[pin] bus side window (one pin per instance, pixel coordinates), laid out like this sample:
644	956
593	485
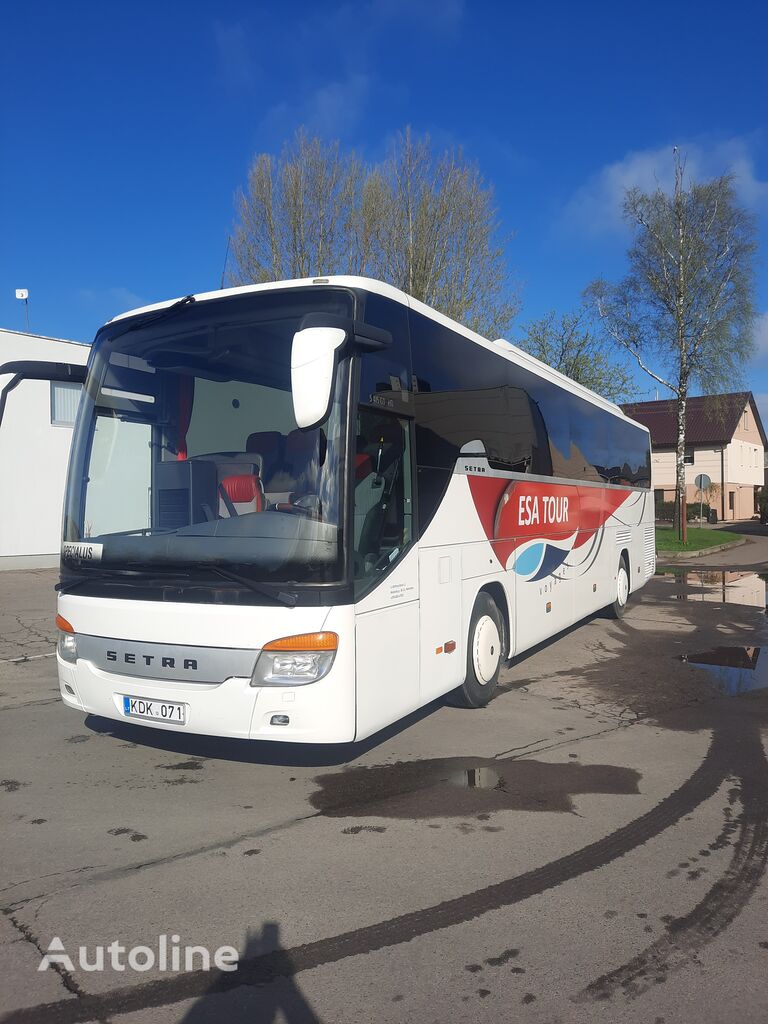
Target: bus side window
383	514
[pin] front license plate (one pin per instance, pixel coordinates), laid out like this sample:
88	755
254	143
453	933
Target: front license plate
160	710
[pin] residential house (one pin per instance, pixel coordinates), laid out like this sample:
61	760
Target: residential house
724	439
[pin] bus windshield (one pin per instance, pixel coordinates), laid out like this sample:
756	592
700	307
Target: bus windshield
187	455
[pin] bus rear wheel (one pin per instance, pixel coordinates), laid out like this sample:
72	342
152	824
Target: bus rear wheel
619	606
486	652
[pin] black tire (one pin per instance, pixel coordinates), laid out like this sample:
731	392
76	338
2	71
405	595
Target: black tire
619	606
486	653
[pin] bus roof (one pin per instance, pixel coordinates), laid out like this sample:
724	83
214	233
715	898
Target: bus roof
501	347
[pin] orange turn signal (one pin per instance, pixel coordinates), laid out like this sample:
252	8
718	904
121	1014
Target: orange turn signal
305	642
63	625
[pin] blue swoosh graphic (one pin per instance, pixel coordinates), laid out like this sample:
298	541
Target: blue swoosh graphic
528	560
553	558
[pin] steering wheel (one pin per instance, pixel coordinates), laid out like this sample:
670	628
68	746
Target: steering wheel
306	505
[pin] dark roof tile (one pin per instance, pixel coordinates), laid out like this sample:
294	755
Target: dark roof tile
710	419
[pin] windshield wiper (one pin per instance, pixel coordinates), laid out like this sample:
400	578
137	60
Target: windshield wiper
137	323
258	588
99	577
123	576
118	576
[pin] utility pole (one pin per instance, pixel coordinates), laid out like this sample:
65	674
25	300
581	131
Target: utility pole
224	268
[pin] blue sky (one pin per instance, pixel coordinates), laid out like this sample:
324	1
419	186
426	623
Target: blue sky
129	127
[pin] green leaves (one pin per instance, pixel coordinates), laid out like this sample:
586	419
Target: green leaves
570	344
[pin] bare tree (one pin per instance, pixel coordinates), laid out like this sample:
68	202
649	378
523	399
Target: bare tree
425	223
569	344
297	216
685	312
438	236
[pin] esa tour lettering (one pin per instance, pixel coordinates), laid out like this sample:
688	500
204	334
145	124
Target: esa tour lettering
545	510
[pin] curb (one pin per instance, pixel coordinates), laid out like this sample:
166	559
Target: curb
681	556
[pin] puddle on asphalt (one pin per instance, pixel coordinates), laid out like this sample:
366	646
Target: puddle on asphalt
477	778
459	787
734	670
716	586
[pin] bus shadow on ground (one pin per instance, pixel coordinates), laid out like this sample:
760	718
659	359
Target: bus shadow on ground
289	755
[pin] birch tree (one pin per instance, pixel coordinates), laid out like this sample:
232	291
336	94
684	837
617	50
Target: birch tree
422	221
685	311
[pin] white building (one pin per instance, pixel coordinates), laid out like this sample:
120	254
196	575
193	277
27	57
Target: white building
724	439
35	437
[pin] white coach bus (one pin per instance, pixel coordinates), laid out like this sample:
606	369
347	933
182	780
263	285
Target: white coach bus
299	511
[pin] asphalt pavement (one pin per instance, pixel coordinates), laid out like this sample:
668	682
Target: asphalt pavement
590	847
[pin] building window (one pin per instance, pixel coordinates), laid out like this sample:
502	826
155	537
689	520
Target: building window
688	457
746	420
731	500
64	399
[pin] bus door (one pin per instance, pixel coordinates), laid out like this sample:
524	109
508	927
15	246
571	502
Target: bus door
385	571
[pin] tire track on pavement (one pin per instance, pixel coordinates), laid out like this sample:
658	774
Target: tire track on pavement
265	968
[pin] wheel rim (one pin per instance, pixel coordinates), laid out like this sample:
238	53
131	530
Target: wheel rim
622	586
486	649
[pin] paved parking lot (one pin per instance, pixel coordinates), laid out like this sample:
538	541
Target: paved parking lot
590	847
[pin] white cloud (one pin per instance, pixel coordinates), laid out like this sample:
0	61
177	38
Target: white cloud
332	109
234	54
440	15
110	300
760	337
761	400
596	206
335	105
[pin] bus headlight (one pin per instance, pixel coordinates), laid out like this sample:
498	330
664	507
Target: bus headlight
67	643
295	660
68	647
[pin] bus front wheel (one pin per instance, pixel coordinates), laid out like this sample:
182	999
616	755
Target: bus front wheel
619	606
486	652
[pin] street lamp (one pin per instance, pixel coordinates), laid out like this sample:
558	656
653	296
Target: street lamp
23	295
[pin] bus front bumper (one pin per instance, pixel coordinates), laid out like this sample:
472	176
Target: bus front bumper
320	712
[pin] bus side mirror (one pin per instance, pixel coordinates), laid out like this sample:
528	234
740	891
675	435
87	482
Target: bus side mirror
314	356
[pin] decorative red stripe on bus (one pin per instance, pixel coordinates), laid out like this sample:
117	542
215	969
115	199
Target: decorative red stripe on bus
514	512
596	506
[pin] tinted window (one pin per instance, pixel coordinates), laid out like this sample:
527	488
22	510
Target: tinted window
464	393
385	377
